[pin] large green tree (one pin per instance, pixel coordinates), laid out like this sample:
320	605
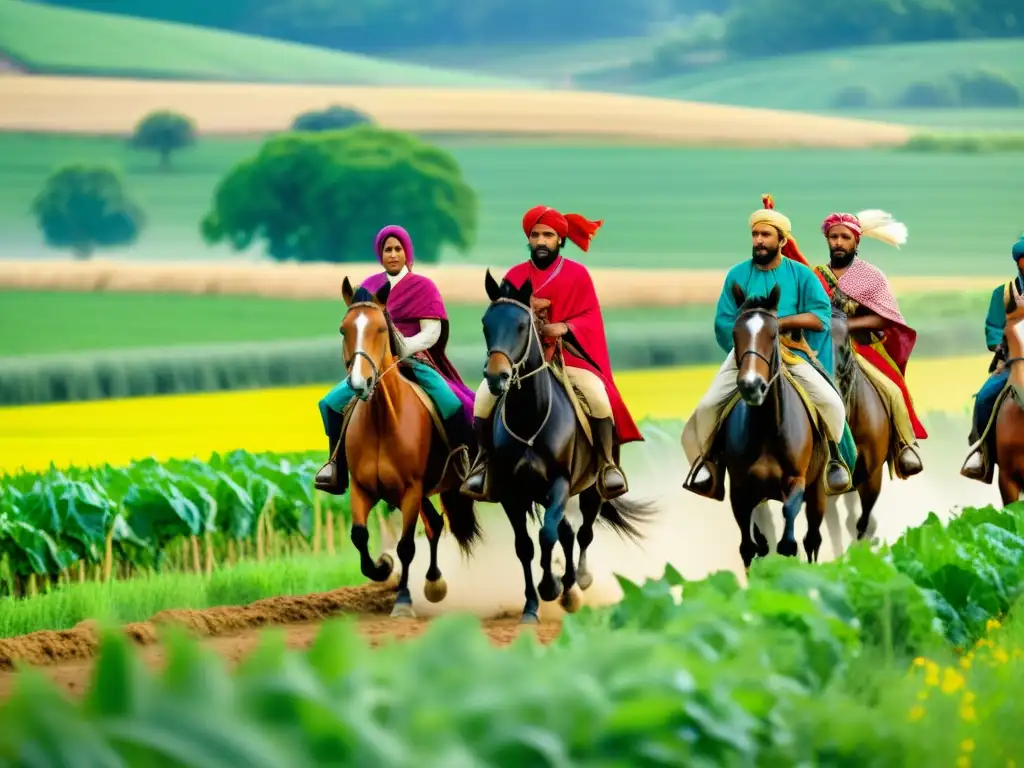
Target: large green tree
85	207
323	196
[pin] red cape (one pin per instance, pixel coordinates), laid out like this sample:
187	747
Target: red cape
569	287
865	284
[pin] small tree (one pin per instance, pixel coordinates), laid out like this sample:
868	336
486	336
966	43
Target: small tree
84	208
334	118
323	196
164	132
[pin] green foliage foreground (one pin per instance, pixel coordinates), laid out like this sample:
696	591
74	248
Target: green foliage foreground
802	668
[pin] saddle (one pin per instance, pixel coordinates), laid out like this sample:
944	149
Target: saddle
576	397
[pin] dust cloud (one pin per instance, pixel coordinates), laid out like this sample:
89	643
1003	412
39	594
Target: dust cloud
697	536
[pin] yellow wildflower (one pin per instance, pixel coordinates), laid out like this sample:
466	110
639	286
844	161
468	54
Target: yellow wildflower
916	713
963	762
1000	656
952	681
922	695
965	662
920	661
968	713
967	745
992	624
969	697
931	674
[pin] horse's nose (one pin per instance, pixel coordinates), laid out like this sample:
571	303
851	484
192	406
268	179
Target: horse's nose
497	382
753	387
359	385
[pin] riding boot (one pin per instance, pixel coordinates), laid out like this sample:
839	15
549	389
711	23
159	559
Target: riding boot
459	439
478	482
611	480
333	476
974	466
909	462
704	479
837	476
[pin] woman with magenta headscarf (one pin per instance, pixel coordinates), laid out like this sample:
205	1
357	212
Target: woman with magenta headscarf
418	312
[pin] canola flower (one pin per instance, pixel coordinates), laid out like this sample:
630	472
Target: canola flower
287	419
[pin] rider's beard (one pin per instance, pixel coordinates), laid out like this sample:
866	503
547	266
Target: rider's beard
842	258
542	256
763	255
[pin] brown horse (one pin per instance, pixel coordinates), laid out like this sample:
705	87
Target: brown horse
1009	425
869	423
395	452
770	451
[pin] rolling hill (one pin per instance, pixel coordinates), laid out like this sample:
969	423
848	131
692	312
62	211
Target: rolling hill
48	39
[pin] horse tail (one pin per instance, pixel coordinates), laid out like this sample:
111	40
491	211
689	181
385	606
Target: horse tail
622	516
462	519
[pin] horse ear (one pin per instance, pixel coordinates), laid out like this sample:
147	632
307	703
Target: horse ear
492	287
737	294
382	293
346	291
773	297
526	291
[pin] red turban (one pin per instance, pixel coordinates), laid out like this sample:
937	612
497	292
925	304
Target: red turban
848	220
572	226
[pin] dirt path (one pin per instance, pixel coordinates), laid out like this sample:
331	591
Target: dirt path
233	632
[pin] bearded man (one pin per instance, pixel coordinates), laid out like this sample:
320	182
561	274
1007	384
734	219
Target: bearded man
882	340
418	313
977	466
803	308
565	299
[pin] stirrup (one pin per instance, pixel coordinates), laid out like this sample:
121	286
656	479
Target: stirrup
602	489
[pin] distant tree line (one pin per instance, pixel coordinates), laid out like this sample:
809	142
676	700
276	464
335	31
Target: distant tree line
750	28
318	192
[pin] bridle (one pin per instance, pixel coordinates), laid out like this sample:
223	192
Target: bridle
374	367
774	364
518	377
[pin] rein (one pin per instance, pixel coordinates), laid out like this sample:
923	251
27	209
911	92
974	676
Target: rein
374	367
518	377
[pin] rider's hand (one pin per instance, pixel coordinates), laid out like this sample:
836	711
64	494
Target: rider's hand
554	330
538	304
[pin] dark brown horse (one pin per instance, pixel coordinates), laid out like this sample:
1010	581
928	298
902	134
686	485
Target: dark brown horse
1009	424
870	425
394	450
770	450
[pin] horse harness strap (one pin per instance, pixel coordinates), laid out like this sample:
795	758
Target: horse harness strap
773	369
377	376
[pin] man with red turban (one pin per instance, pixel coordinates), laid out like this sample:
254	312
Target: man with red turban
882	340
565	299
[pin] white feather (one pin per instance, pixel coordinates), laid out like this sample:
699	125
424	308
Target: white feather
882	226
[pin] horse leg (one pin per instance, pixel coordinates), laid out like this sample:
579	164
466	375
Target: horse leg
815	506
411	503
590	507
787	545
1009	488
435	588
571	598
742	510
869	492
516	515
764	528
361	504
833	524
554	513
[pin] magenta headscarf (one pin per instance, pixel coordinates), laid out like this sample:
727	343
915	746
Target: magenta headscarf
393	230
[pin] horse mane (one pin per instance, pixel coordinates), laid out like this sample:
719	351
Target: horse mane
364	294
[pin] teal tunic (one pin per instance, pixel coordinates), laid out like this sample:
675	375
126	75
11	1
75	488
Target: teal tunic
800	291
995	320
437	389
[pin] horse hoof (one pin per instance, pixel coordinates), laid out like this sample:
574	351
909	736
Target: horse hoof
403	611
585	579
572	600
435	591
549	590
787	548
529	619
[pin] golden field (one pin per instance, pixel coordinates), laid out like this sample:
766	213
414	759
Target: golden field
458	283
182	426
113	106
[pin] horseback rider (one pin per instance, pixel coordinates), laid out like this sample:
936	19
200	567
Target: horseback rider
565	300
882	340
974	467
805	317
418	314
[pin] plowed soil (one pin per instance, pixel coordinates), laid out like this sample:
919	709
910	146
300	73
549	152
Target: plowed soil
67	656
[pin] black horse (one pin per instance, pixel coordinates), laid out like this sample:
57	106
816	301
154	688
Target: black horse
540	453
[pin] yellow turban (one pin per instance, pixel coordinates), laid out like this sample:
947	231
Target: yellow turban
768	215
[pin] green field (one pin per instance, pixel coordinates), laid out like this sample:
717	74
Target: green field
44	38
77	322
663	207
808	82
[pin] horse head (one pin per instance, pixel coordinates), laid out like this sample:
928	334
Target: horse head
755	336
369	344
510	331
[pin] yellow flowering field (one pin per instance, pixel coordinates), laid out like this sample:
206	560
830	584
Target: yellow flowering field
287	419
